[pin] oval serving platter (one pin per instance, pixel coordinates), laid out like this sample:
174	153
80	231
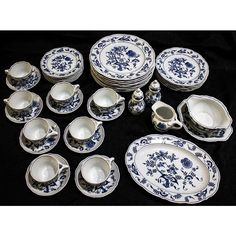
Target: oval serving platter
172	168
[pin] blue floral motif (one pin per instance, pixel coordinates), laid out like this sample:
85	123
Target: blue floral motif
121	58
181	68
61	63
186	163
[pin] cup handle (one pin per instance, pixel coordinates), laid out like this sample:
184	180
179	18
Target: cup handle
176	124
62	167
110	160
98	124
37	99
7	71
51	133
76	87
6	100
120	99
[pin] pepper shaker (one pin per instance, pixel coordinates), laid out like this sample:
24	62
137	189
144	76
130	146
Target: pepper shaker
153	94
136	104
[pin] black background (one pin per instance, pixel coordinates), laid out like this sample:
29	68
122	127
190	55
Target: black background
218	48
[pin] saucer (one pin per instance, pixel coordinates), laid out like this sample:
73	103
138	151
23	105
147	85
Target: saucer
86	147
101	190
53	188
45	146
194	133
76	103
112	115
31	82
25	117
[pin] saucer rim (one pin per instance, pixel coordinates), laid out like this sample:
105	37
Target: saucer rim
24	89
78	151
101	119
37	192
101	195
64	113
23	122
46	150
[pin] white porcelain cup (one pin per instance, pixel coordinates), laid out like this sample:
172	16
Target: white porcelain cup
63	92
105	99
83	128
46	168
164	117
38	129
96	169
20	70
21	101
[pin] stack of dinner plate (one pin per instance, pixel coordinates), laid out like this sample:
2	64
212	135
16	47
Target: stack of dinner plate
181	69
62	64
122	62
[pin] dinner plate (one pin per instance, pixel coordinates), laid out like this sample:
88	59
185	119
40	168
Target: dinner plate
172	168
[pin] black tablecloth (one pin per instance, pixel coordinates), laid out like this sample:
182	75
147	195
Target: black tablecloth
218	48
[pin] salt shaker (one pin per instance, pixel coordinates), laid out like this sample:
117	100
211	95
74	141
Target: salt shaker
136	104
153	94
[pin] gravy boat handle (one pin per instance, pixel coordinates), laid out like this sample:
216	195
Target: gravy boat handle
176	124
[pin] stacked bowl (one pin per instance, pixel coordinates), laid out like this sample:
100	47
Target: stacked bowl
181	69
122	62
62	64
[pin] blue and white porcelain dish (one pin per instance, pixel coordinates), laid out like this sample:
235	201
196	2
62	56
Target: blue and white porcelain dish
26	116
55	187
182	68
45	145
84	147
62	62
97	191
24	84
122	57
107	116
172	168
66	108
191	130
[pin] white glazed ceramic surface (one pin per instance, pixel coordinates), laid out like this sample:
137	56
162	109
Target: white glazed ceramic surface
45	168
208	112
63	91
172	168
38	129
96	169
20	70
83	128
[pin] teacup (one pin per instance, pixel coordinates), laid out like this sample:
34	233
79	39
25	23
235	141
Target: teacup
164	117
96	169
37	130
20	70
208	115
106	99
21	101
83	128
63	93
46	168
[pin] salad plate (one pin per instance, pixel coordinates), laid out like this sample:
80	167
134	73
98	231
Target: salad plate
196	133
101	190
62	63
26	116
87	146
53	188
181	69
105	116
45	146
172	168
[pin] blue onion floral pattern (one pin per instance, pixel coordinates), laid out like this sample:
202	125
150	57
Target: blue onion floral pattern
61	63
172	170
122	58
181	68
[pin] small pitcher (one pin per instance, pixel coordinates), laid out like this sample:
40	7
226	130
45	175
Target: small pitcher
164	117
